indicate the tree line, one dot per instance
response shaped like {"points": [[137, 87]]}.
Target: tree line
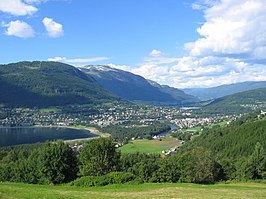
{"points": [[122, 134], [100, 163]]}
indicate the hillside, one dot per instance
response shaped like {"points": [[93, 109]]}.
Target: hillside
{"points": [[136, 88], [177, 94], [224, 90], [233, 141], [47, 84], [238, 103]]}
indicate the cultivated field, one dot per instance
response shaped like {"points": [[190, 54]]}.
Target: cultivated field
{"points": [[217, 191]]}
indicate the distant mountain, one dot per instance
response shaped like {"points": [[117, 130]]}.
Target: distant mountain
{"points": [[48, 84], [136, 88], [224, 90], [239, 102], [175, 93]]}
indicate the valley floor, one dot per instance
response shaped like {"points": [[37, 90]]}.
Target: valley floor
{"points": [[148, 190]]}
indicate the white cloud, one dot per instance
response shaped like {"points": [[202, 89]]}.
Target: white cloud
{"points": [[34, 1], [53, 28], [121, 67], [203, 4], [19, 29], [78, 61], [59, 59], [156, 53], [231, 49], [87, 60], [156, 57], [233, 45], [17, 7], [232, 27], [191, 71]]}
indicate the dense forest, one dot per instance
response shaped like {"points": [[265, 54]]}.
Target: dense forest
{"points": [[234, 141]]}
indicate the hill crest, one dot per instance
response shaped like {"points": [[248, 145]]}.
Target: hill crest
{"points": [[135, 87]]}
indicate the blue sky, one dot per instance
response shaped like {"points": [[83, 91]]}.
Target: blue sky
{"points": [[182, 43]]}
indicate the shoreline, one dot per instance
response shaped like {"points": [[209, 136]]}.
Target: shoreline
{"points": [[90, 130]]}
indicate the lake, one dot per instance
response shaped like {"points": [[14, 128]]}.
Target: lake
{"points": [[29, 135]]}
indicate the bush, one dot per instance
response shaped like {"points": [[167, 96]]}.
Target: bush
{"points": [[111, 178], [91, 181], [120, 177]]}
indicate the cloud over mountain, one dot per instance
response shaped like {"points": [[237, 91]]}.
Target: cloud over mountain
{"points": [[231, 48]]}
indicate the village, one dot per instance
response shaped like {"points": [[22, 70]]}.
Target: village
{"points": [[116, 115]]}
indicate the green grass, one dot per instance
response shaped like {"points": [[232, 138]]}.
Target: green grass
{"points": [[221, 124], [217, 191], [198, 128], [149, 146], [195, 129]]}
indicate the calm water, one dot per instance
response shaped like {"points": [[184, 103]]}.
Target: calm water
{"points": [[28, 135]]}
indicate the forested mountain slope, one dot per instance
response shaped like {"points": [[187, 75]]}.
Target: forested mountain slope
{"points": [[239, 102], [136, 88], [234, 141], [47, 84]]}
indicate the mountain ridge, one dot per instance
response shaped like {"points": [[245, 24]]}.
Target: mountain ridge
{"points": [[224, 90], [238, 103], [42, 83], [135, 87]]}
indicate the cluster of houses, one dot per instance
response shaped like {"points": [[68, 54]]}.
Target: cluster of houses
{"points": [[193, 122], [116, 115]]}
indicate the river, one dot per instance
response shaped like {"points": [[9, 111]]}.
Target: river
{"points": [[165, 133]]}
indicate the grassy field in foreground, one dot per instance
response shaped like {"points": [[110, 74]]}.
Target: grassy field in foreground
{"points": [[217, 191], [149, 146]]}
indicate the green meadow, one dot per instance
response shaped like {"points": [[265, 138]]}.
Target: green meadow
{"points": [[178, 190], [149, 146]]}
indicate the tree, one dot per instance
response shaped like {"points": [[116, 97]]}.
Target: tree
{"points": [[243, 169], [229, 168], [204, 169], [168, 171], [258, 162], [98, 157], [6, 172], [198, 166], [145, 169], [57, 163], [253, 166]]}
